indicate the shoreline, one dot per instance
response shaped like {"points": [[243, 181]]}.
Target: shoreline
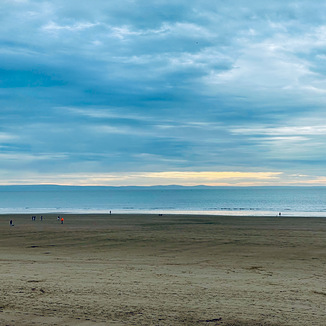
{"points": [[177, 214]]}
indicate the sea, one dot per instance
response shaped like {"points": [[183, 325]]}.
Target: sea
{"points": [[253, 201]]}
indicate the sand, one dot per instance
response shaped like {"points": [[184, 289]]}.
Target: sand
{"points": [[162, 270]]}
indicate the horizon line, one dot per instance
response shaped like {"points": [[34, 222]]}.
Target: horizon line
{"points": [[158, 185]]}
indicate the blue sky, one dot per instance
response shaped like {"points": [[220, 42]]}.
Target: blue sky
{"points": [[163, 92]]}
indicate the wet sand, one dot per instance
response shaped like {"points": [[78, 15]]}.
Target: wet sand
{"points": [[169, 270]]}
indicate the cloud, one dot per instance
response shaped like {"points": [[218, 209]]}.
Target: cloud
{"points": [[209, 177], [80, 26], [164, 86], [7, 137], [284, 131], [148, 179]]}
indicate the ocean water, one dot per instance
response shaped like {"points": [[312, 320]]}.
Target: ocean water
{"points": [[267, 201]]}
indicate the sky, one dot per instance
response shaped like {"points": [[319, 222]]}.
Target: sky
{"points": [[188, 92]]}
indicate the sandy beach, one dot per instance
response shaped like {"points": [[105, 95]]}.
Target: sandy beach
{"points": [[162, 270]]}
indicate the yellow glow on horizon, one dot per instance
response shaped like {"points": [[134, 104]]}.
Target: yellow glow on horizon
{"points": [[316, 181], [211, 175], [185, 178]]}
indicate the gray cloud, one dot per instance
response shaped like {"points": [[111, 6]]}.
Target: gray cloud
{"points": [[132, 85]]}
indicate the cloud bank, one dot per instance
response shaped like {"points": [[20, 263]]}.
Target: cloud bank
{"points": [[134, 88]]}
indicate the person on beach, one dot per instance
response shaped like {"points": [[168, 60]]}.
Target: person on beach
{"points": [[62, 220], [41, 218], [58, 218], [11, 223]]}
